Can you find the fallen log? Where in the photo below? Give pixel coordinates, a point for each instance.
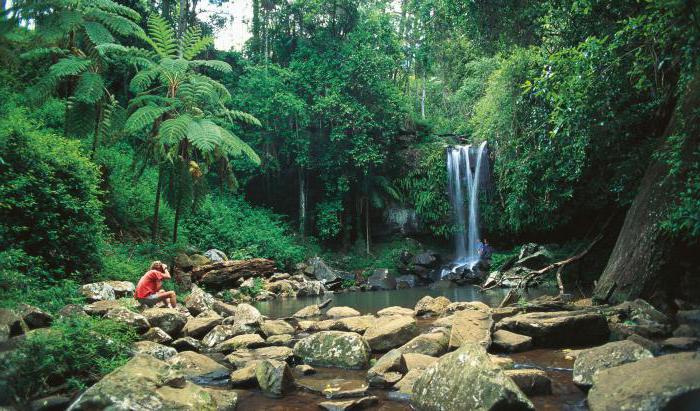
(225, 274)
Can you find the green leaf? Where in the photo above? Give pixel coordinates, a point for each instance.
(175, 129)
(204, 135)
(234, 146)
(69, 66)
(98, 33)
(217, 65)
(144, 117)
(90, 88)
(161, 36)
(143, 80)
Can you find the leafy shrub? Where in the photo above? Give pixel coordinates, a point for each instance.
(25, 279)
(76, 350)
(231, 224)
(257, 287)
(49, 203)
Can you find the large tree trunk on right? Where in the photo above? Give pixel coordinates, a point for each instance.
(637, 266)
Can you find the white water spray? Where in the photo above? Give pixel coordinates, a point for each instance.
(467, 168)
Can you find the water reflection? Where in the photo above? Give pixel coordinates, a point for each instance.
(372, 301)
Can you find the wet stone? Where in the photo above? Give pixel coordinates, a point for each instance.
(358, 404)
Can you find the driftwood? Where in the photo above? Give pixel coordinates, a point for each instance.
(559, 265)
(225, 274)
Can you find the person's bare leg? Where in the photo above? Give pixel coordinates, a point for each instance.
(165, 297)
(173, 299)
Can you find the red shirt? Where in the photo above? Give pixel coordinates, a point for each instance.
(149, 284)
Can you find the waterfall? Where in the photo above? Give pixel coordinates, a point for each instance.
(467, 169)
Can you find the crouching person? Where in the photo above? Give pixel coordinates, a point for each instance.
(149, 291)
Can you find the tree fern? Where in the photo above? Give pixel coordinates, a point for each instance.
(117, 24)
(98, 33)
(234, 146)
(244, 117)
(143, 80)
(69, 66)
(173, 130)
(194, 43)
(90, 88)
(161, 36)
(203, 134)
(113, 7)
(43, 52)
(144, 117)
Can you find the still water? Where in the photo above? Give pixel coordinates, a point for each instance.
(370, 302)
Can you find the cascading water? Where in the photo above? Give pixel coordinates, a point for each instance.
(467, 167)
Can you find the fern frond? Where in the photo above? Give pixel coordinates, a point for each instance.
(194, 43)
(161, 36)
(144, 117)
(146, 99)
(218, 65)
(112, 7)
(234, 146)
(221, 90)
(143, 80)
(97, 33)
(175, 129)
(117, 24)
(43, 52)
(80, 118)
(107, 48)
(244, 117)
(90, 88)
(69, 66)
(203, 134)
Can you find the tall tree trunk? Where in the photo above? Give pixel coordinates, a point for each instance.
(96, 136)
(156, 208)
(182, 20)
(636, 267)
(256, 30)
(367, 224)
(166, 10)
(302, 202)
(422, 97)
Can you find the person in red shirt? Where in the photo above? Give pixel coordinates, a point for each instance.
(148, 290)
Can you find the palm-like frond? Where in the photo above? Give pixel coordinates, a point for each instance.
(117, 24)
(112, 7)
(144, 117)
(98, 33)
(69, 66)
(43, 52)
(218, 65)
(244, 117)
(193, 43)
(173, 130)
(161, 36)
(204, 135)
(234, 146)
(90, 88)
(143, 80)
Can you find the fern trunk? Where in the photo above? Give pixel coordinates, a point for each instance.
(156, 208)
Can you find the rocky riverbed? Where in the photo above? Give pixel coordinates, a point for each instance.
(436, 354)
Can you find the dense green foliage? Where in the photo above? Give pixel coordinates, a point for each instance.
(75, 350)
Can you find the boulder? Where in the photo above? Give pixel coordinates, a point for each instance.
(244, 377)
(159, 351)
(675, 344)
(661, 383)
(387, 371)
(169, 320)
(471, 326)
(429, 306)
(502, 362)
(240, 341)
(242, 357)
(10, 324)
(310, 288)
(215, 255)
(226, 400)
(464, 380)
(381, 280)
(157, 335)
(280, 339)
(531, 381)
(394, 310)
(433, 344)
(638, 317)
(144, 383)
(391, 332)
(308, 312)
(559, 328)
(223, 309)
(274, 377)
(34, 317)
(102, 307)
(413, 361)
(612, 354)
(305, 369)
(221, 333)
(334, 349)
(319, 270)
(70, 310)
(276, 327)
(246, 314)
(187, 344)
(199, 260)
(467, 305)
(283, 288)
(133, 319)
(405, 385)
(690, 317)
(510, 342)
(686, 330)
(351, 404)
(198, 301)
(225, 274)
(200, 325)
(406, 281)
(426, 259)
(358, 324)
(199, 368)
(100, 291)
(342, 312)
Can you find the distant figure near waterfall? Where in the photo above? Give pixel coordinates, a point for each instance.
(485, 251)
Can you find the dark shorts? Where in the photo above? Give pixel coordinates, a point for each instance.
(149, 301)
